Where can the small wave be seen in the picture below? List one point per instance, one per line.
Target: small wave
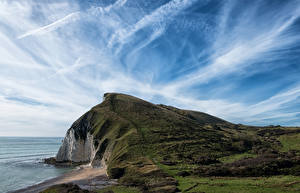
(25, 156)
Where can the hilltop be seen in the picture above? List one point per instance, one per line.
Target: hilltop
(160, 148)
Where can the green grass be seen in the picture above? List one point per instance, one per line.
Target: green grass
(235, 157)
(173, 170)
(290, 142)
(240, 185)
(50, 191)
(120, 189)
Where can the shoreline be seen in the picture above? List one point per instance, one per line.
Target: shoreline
(85, 177)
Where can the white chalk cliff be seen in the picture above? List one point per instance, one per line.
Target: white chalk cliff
(76, 150)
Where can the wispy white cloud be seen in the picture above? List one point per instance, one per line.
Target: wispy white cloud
(240, 53)
(118, 4)
(69, 18)
(53, 26)
(78, 64)
(160, 15)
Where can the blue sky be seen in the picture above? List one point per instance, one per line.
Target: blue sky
(238, 60)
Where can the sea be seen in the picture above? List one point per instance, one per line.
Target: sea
(21, 161)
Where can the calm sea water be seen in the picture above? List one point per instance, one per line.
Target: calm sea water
(20, 161)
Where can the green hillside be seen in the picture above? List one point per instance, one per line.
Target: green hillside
(160, 148)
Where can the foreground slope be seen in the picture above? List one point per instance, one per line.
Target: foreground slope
(146, 145)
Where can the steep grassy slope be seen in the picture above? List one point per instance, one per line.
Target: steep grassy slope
(148, 145)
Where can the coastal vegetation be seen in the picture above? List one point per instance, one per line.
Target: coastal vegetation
(159, 148)
(119, 189)
(274, 184)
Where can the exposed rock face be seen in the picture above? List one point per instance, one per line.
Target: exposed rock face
(76, 149)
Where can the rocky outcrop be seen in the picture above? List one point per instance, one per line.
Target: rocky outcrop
(66, 188)
(76, 149)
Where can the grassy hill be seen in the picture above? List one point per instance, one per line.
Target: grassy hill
(160, 148)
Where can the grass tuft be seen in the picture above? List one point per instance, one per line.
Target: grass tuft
(120, 189)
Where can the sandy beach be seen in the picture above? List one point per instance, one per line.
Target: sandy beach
(86, 178)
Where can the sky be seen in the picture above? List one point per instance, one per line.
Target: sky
(238, 60)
